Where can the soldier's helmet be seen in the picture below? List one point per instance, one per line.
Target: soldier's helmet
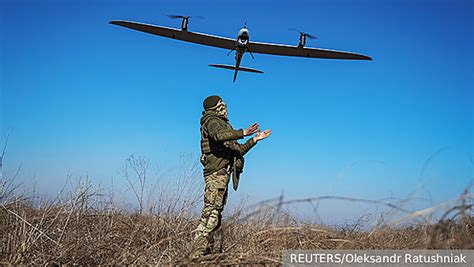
(211, 101)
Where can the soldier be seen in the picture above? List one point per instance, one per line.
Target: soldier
(221, 156)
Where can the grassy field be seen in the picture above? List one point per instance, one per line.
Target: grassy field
(86, 224)
(86, 229)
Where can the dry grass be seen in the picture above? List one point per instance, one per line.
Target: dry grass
(87, 225)
(85, 228)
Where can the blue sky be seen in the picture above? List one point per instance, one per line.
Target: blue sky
(80, 95)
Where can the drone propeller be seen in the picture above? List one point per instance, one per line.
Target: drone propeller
(312, 37)
(184, 17)
(184, 23)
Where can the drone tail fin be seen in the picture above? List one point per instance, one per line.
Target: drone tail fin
(231, 67)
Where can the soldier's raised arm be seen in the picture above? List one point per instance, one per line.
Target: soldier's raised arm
(242, 149)
(219, 132)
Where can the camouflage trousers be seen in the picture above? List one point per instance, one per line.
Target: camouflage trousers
(215, 198)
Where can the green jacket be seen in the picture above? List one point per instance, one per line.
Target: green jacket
(218, 143)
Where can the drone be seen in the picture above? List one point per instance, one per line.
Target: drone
(241, 44)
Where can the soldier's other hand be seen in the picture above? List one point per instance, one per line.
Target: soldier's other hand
(252, 129)
(262, 135)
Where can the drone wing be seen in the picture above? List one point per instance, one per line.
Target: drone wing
(299, 51)
(228, 43)
(192, 37)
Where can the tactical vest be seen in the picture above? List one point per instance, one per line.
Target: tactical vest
(208, 145)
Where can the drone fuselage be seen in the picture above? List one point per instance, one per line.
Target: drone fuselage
(240, 48)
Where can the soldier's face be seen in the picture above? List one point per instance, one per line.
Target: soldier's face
(222, 103)
(222, 108)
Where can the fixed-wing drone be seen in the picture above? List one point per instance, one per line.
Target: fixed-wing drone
(240, 45)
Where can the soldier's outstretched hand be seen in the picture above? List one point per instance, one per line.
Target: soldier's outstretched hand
(252, 129)
(262, 135)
